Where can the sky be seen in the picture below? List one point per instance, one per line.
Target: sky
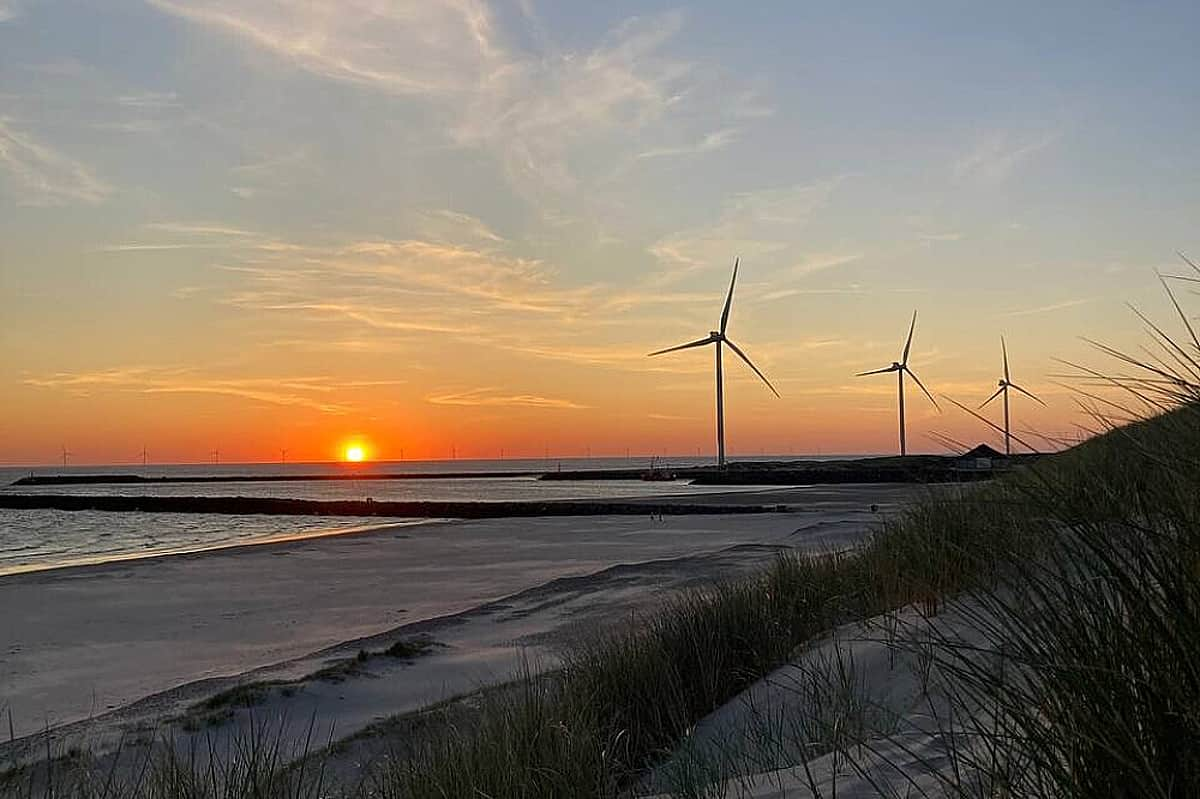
(459, 226)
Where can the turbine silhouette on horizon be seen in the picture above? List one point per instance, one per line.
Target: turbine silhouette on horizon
(718, 338)
(900, 368)
(1005, 384)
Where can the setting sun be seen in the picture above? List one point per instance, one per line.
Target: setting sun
(354, 453)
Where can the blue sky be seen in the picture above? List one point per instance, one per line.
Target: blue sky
(482, 215)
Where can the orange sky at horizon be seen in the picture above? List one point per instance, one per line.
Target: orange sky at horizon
(670, 411)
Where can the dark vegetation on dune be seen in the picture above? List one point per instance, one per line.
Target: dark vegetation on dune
(1102, 541)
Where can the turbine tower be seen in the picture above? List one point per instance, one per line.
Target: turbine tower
(718, 338)
(1005, 384)
(900, 368)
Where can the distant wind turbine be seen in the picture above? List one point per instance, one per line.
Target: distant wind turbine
(216, 455)
(145, 455)
(1005, 384)
(65, 455)
(718, 338)
(900, 368)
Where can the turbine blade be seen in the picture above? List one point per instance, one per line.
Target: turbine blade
(700, 342)
(922, 385)
(749, 363)
(729, 297)
(875, 371)
(999, 391)
(1027, 393)
(1004, 349)
(908, 344)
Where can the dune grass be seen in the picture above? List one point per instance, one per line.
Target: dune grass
(1084, 571)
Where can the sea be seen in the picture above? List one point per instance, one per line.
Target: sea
(34, 540)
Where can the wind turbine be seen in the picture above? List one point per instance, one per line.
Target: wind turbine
(718, 338)
(900, 367)
(1005, 384)
(65, 455)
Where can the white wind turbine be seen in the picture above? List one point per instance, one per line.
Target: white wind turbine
(900, 367)
(718, 338)
(1005, 384)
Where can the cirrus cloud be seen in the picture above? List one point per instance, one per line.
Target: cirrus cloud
(489, 396)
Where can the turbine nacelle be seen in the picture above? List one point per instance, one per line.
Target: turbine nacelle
(901, 366)
(1004, 384)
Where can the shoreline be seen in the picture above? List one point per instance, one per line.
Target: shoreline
(419, 509)
(86, 563)
(137, 479)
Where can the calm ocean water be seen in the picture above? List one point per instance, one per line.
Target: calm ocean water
(38, 539)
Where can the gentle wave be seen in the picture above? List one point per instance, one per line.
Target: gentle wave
(37, 540)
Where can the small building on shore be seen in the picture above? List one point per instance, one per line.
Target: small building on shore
(981, 459)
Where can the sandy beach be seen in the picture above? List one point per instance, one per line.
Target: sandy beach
(127, 644)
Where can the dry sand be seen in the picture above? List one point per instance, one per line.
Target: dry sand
(81, 646)
(863, 712)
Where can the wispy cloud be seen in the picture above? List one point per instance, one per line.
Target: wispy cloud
(445, 225)
(820, 262)
(522, 97)
(159, 246)
(996, 156)
(44, 176)
(851, 288)
(9, 10)
(436, 46)
(203, 229)
(713, 141)
(307, 391)
(197, 237)
(1057, 306)
(494, 397)
(760, 226)
(149, 100)
(930, 238)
